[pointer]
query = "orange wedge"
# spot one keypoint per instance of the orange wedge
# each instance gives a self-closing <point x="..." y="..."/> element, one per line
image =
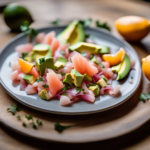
<point x="24" y="65"/>
<point x="114" y="59"/>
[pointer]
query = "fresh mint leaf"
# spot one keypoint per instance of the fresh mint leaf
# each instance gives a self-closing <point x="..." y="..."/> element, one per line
<point x="24" y="124"/>
<point x="23" y="55"/>
<point x="45" y="86"/>
<point x="79" y="89"/>
<point x="102" y="25"/>
<point x="85" y="23"/>
<point x="56" y="22"/>
<point x="40" y="79"/>
<point x="62" y="52"/>
<point x="144" y="96"/>
<point x="13" y="109"/>
<point x="58" y="127"/>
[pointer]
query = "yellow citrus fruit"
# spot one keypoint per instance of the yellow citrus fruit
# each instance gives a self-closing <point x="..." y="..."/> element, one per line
<point x="146" y="66"/>
<point x="24" y="65"/>
<point x="116" y="58"/>
<point x="133" y="28"/>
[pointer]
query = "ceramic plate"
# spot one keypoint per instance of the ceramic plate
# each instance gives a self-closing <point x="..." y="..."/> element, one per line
<point x="102" y="103"/>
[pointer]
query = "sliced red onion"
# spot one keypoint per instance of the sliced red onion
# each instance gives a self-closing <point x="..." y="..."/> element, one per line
<point x="108" y="87"/>
<point x="96" y="77"/>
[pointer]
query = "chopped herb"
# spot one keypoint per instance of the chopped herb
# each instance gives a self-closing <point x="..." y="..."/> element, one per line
<point x="79" y="90"/>
<point x="65" y="88"/>
<point x="131" y="77"/>
<point x="92" y="84"/>
<point x="103" y="25"/>
<point x="62" y="52"/>
<point x="19" y="117"/>
<point x="86" y="23"/>
<point x="62" y="74"/>
<point x="45" y="86"/>
<point x="56" y="22"/>
<point x="24" y="124"/>
<point x="87" y="35"/>
<point x="23" y="55"/>
<point x="10" y="64"/>
<point x="32" y="33"/>
<point x="64" y="94"/>
<point x="40" y="79"/>
<point x="144" y="96"/>
<point x="13" y="108"/>
<point x="29" y="117"/>
<point x="34" y="126"/>
<point x="91" y="56"/>
<point x="39" y="122"/>
<point x="83" y="54"/>
<point x="102" y="76"/>
<point x="41" y="60"/>
<point x="60" y="128"/>
<point x="101" y="65"/>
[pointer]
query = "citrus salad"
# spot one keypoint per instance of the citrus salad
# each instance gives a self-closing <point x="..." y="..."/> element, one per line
<point x="68" y="67"/>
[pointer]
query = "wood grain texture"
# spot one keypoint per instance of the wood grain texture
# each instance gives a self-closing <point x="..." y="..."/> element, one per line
<point x="96" y="125"/>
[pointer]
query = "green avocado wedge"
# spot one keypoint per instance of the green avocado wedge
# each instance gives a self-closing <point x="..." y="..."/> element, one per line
<point x="72" y="34"/>
<point x="124" y="68"/>
<point x="92" y="48"/>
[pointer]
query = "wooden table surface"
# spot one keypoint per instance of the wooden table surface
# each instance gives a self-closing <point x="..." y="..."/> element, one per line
<point x="46" y="11"/>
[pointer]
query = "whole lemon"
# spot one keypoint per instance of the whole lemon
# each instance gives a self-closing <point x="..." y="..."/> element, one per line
<point x="146" y="66"/>
<point x="133" y="28"/>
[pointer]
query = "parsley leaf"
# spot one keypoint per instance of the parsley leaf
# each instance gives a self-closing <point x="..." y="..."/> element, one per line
<point x="40" y="79"/>
<point x="24" y="124"/>
<point x="19" y="117"/>
<point x="64" y="94"/>
<point x="103" y="25"/>
<point x="62" y="52"/>
<point x="32" y="33"/>
<point x="65" y="88"/>
<point x="29" y="117"/>
<point x="144" y="96"/>
<point x="62" y="74"/>
<point x="79" y="89"/>
<point x="92" y="84"/>
<point x="34" y="126"/>
<point x="56" y="22"/>
<point x="13" y="108"/>
<point x="10" y="64"/>
<point x="23" y="55"/>
<point x="60" y="128"/>
<point x="45" y="86"/>
<point x="86" y="23"/>
<point x="39" y="122"/>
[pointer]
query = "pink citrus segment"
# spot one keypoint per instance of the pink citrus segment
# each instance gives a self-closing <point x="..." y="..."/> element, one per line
<point x="82" y="65"/>
<point x="54" y="45"/>
<point x="48" y="38"/>
<point x="54" y="83"/>
<point x="34" y="72"/>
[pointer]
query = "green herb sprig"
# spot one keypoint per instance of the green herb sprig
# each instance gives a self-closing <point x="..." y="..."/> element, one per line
<point x="23" y="55"/>
<point x="56" y="22"/>
<point x="45" y="86"/>
<point x="86" y="23"/>
<point x="79" y="90"/>
<point x="144" y="97"/>
<point x="19" y="117"/>
<point x="13" y="109"/>
<point x="40" y="79"/>
<point x="103" y="25"/>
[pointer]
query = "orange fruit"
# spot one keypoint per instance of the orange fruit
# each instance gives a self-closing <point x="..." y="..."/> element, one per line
<point x="133" y="28"/>
<point x="114" y="59"/>
<point x="146" y="66"/>
<point x="24" y="65"/>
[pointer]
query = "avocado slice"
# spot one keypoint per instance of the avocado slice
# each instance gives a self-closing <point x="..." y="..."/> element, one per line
<point x="60" y="63"/>
<point x="29" y="78"/>
<point x="44" y="95"/>
<point x="94" y="89"/>
<point x="68" y="79"/>
<point x="92" y="48"/>
<point x="124" y="68"/>
<point x="87" y="77"/>
<point x="43" y="63"/>
<point x="72" y="34"/>
<point x="102" y="82"/>
<point x="116" y="68"/>
<point x="39" y="51"/>
<point x="77" y="77"/>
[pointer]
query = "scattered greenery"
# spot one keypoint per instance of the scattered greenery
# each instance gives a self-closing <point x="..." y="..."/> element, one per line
<point x="102" y="25"/>
<point x="30" y="117"/>
<point x="86" y="23"/>
<point x="23" y="55"/>
<point x="87" y="35"/>
<point x="41" y="60"/>
<point x="24" y="124"/>
<point x="39" y="122"/>
<point x="144" y="96"/>
<point x="62" y="74"/>
<point x="19" y="117"/>
<point x="66" y="87"/>
<point x="45" y="86"/>
<point x="13" y="109"/>
<point x="83" y="54"/>
<point x="91" y="56"/>
<point x="56" y="22"/>
<point x="58" y="127"/>
<point x="62" y="52"/>
<point x="32" y="33"/>
<point x="64" y="94"/>
<point x="40" y="79"/>
<point x="101" y="65"/>
<point x="79" y="89"/>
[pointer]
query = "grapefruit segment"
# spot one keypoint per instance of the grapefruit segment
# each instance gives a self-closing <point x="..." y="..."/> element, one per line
<point x="34" y="72"/>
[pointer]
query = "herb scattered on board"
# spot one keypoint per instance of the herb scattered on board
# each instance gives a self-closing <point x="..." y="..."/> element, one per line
<point x="13" y="108"/>
<point x="32" y="33"/>
<point x="23" y="55"/>
<point x="58" y="127"/>
<point x="45" y="86"/>
<point x="9" y="64"/>
<point x="79" y="89"/>
<point x="19" y="117"/>
<point x="86" y="23"/>
<point x="56" y="22"/>
<point x="62" y="74"/>
<point x="40" y="79"/>
<point x="62" y="52"/>
<point x="24" y="124"/>
<point x="39" y="122"/>
<point x="102" y="25"/>
<point x="144" y="96"/>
